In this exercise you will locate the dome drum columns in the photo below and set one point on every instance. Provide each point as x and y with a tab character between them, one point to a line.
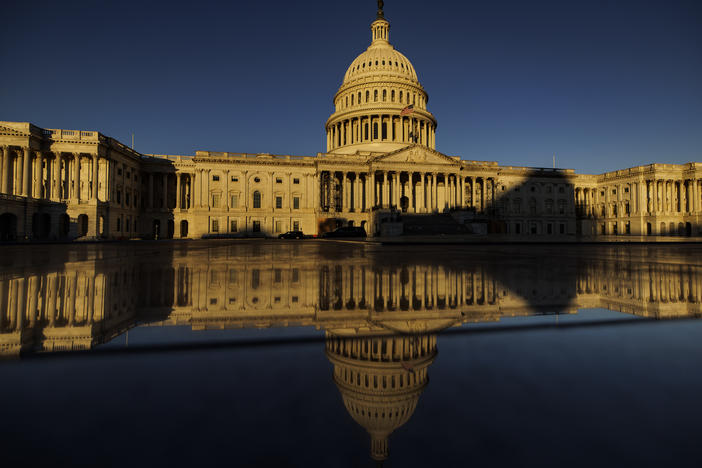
388	131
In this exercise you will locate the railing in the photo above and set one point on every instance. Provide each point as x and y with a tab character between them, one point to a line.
59	134
7	196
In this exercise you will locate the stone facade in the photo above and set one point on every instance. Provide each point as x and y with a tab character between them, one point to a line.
381	171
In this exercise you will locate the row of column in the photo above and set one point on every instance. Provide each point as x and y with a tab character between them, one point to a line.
412	288
646	197
47	175
657	283
413	192
381	128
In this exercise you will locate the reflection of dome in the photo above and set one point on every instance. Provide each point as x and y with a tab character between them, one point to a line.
380	380
377	86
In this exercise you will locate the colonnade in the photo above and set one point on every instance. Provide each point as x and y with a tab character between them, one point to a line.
381	128
409	191
48	175
645	197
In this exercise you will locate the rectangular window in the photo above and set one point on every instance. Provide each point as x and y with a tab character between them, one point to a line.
257	226
232	226
278	202
278	226
232	276
295	275
296	203
278	181
215	200
213	301
215	178
549	228
215	225
276	299
234	201
561	228
278	275
296	226
235	179
119	171
119	196
517	228
294	299
296	181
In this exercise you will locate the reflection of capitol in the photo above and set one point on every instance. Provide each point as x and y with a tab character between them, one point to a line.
381	315
380	380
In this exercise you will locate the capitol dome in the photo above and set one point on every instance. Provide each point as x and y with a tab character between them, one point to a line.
381	106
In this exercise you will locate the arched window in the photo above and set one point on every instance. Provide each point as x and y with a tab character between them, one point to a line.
392	95
375	95
346	102
400	96
375	131
352	99
385	95
257	199
359	97
367	96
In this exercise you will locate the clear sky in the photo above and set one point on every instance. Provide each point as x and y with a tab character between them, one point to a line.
604	84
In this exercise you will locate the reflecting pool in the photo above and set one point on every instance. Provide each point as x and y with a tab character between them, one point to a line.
314	353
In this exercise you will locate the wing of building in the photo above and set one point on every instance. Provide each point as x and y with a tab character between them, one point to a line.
381	171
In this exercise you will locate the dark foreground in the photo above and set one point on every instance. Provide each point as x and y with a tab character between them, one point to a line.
258	353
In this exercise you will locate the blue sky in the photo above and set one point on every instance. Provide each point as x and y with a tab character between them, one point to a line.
604	84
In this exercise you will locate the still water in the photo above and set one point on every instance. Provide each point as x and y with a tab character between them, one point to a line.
312	353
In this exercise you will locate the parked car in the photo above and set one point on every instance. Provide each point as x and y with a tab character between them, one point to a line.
346	231
291	235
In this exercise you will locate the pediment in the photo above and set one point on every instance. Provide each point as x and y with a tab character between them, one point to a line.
10	131
418	155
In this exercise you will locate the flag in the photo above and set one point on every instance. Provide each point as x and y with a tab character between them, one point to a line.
407	110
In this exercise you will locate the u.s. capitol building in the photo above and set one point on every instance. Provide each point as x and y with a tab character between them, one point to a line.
381	171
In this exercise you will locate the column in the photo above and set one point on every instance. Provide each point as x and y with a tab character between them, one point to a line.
178	182
151	191
76	177
359	191
7	155
38	175
434	191
396	189
165	191
421	194
96	176
57	176
482	195
26	172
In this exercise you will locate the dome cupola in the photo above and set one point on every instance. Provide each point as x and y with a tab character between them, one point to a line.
380	106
